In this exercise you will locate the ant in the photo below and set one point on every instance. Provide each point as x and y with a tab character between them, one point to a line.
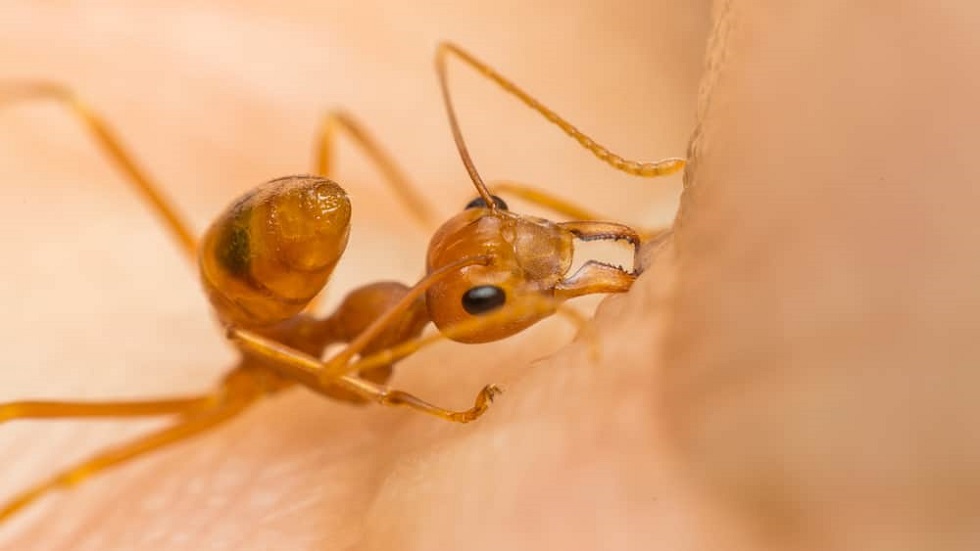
490	273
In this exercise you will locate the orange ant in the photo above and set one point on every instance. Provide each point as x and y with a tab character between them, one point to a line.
490	273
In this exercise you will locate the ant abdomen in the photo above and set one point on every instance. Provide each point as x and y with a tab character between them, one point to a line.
274	249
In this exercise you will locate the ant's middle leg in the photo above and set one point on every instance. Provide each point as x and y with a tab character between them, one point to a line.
111	145
185	406
238	382
62	409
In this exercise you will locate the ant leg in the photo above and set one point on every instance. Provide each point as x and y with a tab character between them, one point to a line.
23	410
235	400
341	363
544	199
334	121
635	168
307	370
340	371
389	397
51	410
105	138
419	208
536	307
385	396
561	206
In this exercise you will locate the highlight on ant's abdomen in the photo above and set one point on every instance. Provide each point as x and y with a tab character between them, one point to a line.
274	249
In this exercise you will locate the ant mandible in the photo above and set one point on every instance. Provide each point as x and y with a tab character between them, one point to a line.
490	273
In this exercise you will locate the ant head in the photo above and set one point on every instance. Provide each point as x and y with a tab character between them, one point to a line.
527	259
524	261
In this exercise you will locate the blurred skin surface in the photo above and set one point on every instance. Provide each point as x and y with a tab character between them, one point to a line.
796	370
820	366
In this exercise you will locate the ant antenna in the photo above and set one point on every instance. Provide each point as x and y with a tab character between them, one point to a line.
457	134
634	168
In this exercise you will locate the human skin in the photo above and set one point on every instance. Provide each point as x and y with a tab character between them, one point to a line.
795	370
820	367
215	100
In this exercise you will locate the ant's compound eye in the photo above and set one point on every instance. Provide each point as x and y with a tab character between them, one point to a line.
479	203
483	299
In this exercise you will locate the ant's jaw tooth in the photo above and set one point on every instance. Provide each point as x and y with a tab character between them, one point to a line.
610	251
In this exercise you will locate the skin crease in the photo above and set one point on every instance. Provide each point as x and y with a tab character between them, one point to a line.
216	99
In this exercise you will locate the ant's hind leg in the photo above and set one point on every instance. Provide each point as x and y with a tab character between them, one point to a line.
236	395
105	138
335	121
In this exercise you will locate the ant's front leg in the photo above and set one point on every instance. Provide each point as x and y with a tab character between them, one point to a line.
389	397
308	371
326	378
381	323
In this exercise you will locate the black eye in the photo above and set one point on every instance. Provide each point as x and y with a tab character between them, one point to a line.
482	299
479	203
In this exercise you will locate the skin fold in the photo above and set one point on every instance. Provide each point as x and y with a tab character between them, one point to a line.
820	365
794	370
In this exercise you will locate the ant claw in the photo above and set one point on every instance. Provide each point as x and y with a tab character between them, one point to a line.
492	391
